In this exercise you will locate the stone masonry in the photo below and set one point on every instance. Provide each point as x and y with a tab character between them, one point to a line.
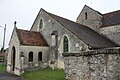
49	26
112	32
102	64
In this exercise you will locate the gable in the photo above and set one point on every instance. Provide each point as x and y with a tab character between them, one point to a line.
14	37
90	12
35	25
90	17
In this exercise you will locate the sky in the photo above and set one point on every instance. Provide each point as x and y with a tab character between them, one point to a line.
25	12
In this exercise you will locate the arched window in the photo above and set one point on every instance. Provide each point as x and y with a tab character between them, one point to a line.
40	24
65	44
30	57
40	56
85	15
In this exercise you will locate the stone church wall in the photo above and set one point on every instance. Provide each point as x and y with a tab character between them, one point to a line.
103	64
50	25
113	32
35	49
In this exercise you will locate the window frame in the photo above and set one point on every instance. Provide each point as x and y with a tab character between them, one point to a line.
65	44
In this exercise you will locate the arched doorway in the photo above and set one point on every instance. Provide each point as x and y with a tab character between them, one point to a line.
13	58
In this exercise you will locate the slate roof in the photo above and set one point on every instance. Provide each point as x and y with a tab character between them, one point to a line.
110	19
84	33
31	38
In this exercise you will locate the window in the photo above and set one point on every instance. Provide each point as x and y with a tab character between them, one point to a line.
65	44
40	56
30	56
54	37
53	40
40	24
86	15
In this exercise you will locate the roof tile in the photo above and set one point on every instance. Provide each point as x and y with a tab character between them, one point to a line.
31	38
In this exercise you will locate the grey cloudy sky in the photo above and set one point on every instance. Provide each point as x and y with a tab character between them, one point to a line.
25	11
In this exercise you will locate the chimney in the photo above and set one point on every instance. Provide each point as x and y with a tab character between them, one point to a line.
15	24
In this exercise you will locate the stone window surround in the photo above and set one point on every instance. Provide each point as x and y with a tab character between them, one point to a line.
65	44
41	24
68	42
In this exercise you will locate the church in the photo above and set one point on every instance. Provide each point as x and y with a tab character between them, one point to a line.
52	35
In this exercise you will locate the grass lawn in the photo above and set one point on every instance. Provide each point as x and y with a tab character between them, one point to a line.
44	74
2	68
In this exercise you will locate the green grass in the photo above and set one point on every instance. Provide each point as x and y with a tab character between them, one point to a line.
44	74
2	68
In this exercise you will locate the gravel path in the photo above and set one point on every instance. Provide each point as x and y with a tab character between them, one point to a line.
8	76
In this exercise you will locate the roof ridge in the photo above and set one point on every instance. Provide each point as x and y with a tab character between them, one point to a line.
90	8
72	22
94	9
28	30
111	12
66	19
58	16
36	17
18	34
111	19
